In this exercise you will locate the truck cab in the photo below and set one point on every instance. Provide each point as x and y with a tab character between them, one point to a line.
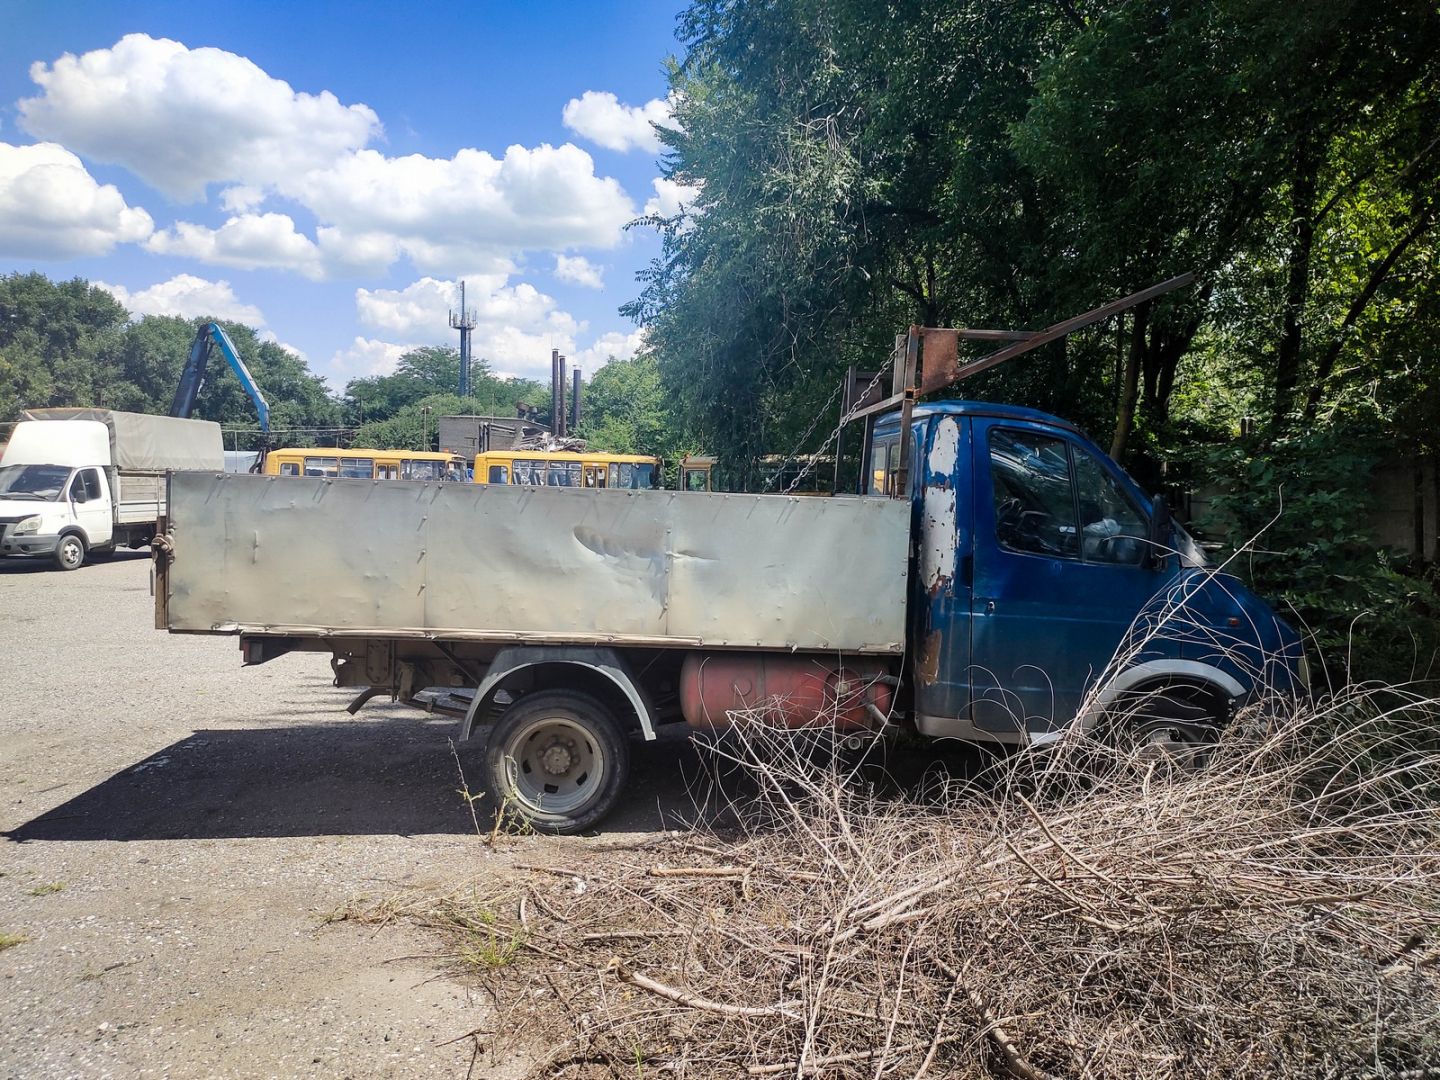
77	481
55	500
1045	586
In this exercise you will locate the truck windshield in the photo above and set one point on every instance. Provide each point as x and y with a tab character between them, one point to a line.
40	483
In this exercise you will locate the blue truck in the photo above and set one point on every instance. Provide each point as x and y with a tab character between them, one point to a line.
998	580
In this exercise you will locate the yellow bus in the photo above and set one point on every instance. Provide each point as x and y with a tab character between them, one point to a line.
540	468
364	464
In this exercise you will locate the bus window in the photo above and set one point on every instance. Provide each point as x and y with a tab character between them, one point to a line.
529	472
642	476
497	474
410	469
321	466
359	468
387	472
595	476
289	468
563	474
454	471
620	474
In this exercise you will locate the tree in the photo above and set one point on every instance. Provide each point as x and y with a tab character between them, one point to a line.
868	166
53	337
626	410
71	343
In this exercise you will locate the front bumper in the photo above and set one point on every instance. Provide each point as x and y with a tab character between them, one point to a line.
29	544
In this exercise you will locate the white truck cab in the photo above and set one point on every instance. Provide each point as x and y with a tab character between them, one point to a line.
80	481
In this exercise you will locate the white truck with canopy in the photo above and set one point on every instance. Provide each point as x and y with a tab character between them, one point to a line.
81	482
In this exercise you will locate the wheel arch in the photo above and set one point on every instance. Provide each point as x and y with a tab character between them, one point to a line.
602	673
1156	675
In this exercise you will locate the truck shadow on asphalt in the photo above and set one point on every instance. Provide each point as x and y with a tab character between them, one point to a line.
390	776
387	775
28	564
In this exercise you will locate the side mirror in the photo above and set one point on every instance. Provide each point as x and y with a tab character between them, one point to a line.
1162	534
78	495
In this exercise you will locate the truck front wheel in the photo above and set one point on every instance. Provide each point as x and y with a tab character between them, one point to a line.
70	552
1173	725
557	760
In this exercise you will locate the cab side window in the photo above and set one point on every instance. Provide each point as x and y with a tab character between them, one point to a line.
1034	495
497	474
1112	529
92	483
884	465
289	468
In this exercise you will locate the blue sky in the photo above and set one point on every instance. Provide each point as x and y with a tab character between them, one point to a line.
327	171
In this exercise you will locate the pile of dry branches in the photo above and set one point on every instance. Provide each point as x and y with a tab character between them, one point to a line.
1076	913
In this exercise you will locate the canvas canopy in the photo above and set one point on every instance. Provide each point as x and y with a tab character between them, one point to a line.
144	443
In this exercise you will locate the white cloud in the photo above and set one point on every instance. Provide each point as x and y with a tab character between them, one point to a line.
183	118
241	198
611	346
270	336
579	270
248	242
365	357
516	326
448	216
452	215
52	208
188	297
600	117
671	198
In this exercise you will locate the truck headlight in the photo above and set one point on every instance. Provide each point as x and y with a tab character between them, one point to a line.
28	525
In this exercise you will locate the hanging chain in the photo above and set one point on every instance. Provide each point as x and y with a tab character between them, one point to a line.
805	437
815	457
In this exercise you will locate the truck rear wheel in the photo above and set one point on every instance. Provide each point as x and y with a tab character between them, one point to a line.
70	552
557	760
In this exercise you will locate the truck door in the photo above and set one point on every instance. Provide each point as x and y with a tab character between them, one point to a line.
90	501
941	603
1060	574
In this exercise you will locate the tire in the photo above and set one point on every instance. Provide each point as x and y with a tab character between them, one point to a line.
1175	726
70	552
557	761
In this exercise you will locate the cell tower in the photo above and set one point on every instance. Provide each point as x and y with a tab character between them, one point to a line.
464	321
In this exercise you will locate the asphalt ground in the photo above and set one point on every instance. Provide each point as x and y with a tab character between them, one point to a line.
176	830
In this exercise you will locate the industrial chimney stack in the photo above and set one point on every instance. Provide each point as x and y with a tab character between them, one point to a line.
557	394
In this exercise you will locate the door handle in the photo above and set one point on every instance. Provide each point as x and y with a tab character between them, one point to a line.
989	607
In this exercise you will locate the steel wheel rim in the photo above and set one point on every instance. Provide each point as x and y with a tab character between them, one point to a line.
554	765
70	551
1161	743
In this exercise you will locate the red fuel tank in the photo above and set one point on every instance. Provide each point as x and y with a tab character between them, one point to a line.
796	691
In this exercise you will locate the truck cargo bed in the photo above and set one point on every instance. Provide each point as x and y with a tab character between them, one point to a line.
322	557
141	498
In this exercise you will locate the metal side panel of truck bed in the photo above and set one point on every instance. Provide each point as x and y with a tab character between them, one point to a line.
303	556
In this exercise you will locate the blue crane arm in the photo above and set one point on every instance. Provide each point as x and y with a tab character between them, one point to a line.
193	377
